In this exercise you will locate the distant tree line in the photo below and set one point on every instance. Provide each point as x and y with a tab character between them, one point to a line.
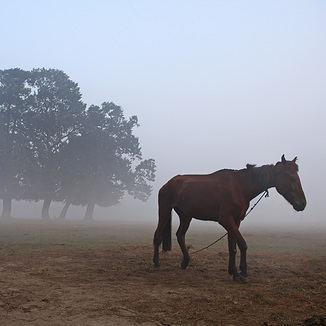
54	148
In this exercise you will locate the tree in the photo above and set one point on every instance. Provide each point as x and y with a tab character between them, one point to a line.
15	156
54	118
52	148
98	165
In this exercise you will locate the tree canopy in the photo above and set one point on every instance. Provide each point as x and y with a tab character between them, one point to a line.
54	148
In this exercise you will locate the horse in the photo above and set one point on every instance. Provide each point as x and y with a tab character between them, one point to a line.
224	197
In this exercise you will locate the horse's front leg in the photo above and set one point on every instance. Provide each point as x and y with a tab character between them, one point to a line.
232	270
243	261
235	238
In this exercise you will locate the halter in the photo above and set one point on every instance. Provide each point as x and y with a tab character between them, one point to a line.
265	194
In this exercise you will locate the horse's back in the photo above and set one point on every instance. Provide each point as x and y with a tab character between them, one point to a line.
200	181
198	195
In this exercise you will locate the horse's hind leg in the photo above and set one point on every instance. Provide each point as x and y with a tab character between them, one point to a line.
157	241
181	236
163	230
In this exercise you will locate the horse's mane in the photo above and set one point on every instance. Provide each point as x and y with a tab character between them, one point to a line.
262	175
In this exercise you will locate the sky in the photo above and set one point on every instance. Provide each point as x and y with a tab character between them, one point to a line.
215	84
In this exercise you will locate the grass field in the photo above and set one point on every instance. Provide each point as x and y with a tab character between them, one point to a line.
72	273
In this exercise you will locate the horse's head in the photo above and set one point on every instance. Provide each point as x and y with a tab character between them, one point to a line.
287	183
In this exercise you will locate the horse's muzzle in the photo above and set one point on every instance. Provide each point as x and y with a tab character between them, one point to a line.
299	205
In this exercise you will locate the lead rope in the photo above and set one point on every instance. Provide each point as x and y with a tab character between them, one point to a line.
265	194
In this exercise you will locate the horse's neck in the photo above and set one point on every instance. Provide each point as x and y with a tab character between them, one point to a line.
259	180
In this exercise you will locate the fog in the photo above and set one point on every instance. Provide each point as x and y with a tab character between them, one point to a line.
215	84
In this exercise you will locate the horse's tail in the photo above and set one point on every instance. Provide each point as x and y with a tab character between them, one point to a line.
165	218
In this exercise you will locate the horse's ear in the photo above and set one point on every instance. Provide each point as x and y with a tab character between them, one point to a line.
283	159
295	159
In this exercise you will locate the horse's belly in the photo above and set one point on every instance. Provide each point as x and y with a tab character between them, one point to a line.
201	213
206	217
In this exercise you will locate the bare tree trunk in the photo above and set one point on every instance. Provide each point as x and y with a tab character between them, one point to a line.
89	212
63	213
6	210
46	208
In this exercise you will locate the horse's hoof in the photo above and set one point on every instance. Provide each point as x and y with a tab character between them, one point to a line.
184	264
243	274
156	264
240	279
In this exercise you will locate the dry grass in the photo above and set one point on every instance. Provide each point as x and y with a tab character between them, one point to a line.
100	274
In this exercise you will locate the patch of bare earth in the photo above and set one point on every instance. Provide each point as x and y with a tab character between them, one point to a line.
61	282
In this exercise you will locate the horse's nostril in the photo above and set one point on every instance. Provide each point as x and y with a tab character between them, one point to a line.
299	205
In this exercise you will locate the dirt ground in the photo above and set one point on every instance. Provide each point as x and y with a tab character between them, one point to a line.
71	273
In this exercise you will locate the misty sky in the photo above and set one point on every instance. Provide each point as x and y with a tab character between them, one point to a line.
214	84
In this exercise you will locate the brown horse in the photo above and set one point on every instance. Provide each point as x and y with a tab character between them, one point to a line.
223	196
